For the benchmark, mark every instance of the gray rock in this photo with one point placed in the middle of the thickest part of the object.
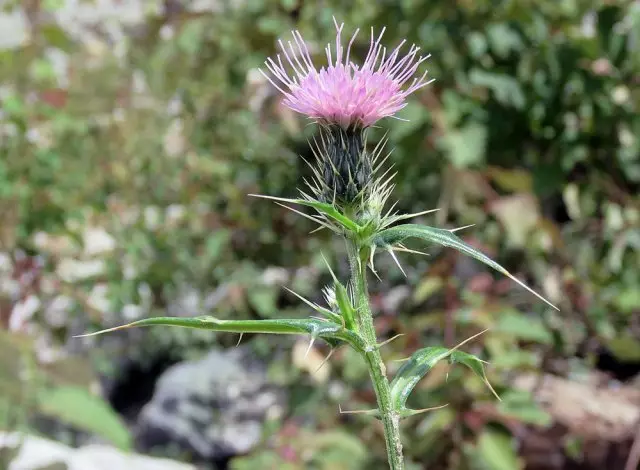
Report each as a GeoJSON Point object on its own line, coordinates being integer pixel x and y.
{"type": "Point", "coordinates": [35, 453]}
{"type": "Point", "coordinates": [214, 408]}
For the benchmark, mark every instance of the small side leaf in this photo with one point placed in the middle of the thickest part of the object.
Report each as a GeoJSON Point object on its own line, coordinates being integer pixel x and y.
{"type": "Point", "coordinates": [398, 234]}
{"type": "Point", "coordinates": [317, 328]}
{"type": "Point", "coordinates": [420, 363]}
{"type": "Point", "coordinates": [412, 371]}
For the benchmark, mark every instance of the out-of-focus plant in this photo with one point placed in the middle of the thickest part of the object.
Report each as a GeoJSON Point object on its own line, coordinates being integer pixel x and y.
{"type": "Point", "coordinates": [349, 192]}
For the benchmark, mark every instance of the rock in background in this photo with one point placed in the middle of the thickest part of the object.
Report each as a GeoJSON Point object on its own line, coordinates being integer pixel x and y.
{"type": "Point", "coordinates": [35, 453]}
{"type": "Point", "coordinates": [214, 407]}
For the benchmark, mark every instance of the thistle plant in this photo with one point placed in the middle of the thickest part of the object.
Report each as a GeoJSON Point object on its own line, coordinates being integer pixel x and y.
{"type": "Point", "coordinates": [349, 195]}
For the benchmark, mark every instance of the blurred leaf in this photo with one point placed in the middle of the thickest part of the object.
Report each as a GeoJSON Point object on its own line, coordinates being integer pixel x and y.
{"type": "Point", "coordinates": [519, 214]}
{"type": "Point", "coordinates": [427, 288]}
{"type": "Point", "coordinates": [507, 90]}
{"type": "Point", "coordinates": [522, 327]}
{"type": "Point", "coordinates": [497, 451]}
{"type": "Point", "coordinates": [216, 243]}
{"type": "Point", "coordinates": [511, 179]}
{"type": "Point", "coordinates": [76, 406]}
{"type": "Point", "coordinates": [56, 36]}
{"type": "Point", "coordinates": [263, 299]}
{"type": "Point", "coordinates": [416, 116]}
{"type": "Point", "coordinates": [625, 347]}
{"type": "Point", "coordinates": [466, 146]}
{"type": "Point", "coordinates": [522, 405]}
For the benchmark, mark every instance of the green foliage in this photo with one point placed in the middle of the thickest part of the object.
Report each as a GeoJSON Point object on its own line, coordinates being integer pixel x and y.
{"type": "Point", "coordinates": [419, 364]}
{"type": "Point", "coordinates": [77, 407]}
{"type": "Point", "coordinates": [32, 389]}
{"type": "Point", "coordinates": [497, 452]}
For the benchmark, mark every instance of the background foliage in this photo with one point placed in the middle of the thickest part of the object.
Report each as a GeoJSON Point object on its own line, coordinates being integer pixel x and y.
{"type": "Point", "coordinates": [127, 151]}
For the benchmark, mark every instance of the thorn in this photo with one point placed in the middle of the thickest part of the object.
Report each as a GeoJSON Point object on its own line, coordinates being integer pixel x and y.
{"type": "Point", "coordinates": [404, 359]}
{"type": "Point", "coordinates": [495, 394]}
{"type": "Point", "coordinates": [390, 339]}
{"type": "Point", "coordinates": [325, 360]}
{"type": "Point", "coordinates": [522, 284]}
{"type": "Point", "coordinates": [393, 255]}
{"type": "Point", "coordinates": [375, 273]}
{"type": "Point", "coordinates": [417, 214]}
{"type": "Point", "coordinates": [306, 301]}
{"type": "Point", "coordinates": [309, 347]}
{"type": "Point", "coordinates": [307, 216]}
{"type": "Point", "coordinates": [409, 250]}
{"type": "Point", "coordinates": [356, 412]}
{"type": "Point", "coordinates": [373, 252]}
{"type": "Point", "coordinates": [239, 339]}
{"type": "Point", "coordinates": [333, 275]}
{"type": "Point", "coordinates": [469, 339]}
{"type": "Point", "coordinates": [424, 410]}
{"type": "Point", "coordinates": [460, 228]}
{"type": "Point", "coordinates": [96, 333]}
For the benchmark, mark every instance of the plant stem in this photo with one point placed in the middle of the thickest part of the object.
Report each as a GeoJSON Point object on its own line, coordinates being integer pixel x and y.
{"type": "Point", "coordinates": [364, 319]}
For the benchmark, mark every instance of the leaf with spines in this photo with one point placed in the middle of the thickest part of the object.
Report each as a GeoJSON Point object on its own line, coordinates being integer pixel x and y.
{"type": "Point", "coordinates": [329, 331]}
{"type": "Point", "coordinates": [419, 364]}
{"type": "Point", "coordinates": [330, 215]}
{"type": "Point", "coordinates": [392, 236]}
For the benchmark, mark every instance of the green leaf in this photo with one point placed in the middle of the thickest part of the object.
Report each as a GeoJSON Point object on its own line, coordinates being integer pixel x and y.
{"type": "Point", "coordinates": [497, 451]}
{"type": "Point", "coordinates": [523, 327]}
{"type": "Point", "coordinates": [506, 89]}
{"type": "Point", "coordinates": [263, 299]}
{"type": "Point", "coordinates": [625, 348]}
{"type": "Point", "coordinates": [467, 145]}
{"type": "Point", "coordinates": [416, 116]}
{"type": "Point", "coordinates": [327, 330]}
{"type": "Point", "coordinates": [79, 408]}
{"type": "Point", "coordinates": [398, 234]}
{"type": "Point", "coordinates": [421, 362]}
{"type": "Point", "coordinates": [521, 404]}
{"type": "Point", "coordinates": [216, 243]}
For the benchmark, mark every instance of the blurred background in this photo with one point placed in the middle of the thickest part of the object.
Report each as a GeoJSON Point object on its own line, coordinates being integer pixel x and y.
{"type": "Point", "coordinates": [131, 133]}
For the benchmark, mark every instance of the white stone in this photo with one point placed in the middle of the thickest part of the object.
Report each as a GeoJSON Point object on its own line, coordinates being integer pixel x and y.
{"type": "Point", "coordinates": [36, 452]}
{"type": "Point", "coordinates": [97, 241]}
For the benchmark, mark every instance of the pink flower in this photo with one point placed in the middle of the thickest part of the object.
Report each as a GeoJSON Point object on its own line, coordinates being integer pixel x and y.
{"type": "Point", "coordinates": [343, 92]}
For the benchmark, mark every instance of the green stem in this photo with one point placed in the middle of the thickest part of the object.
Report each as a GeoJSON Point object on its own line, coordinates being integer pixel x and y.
{"type": "Point", "coordinates": [364, 319]}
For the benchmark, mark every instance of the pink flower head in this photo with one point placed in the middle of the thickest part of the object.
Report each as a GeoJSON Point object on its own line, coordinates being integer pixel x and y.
{"type": "Point", "coordinates": [343, 92]}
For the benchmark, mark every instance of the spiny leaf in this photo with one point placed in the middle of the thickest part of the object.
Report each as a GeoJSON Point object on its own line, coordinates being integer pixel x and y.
{"type": "Point", "coordinates": [323, 208]}
{"type": "Point", "coordinates": [398, 234]}
{"type": "Point", "coordinates": [412, 371]}
{"type": "Point", "coordinates": [317, 328]}
{"type": "Point", "coordinates": [473, 363]}
{"type": "Point", "coordinates": [422, 361]}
